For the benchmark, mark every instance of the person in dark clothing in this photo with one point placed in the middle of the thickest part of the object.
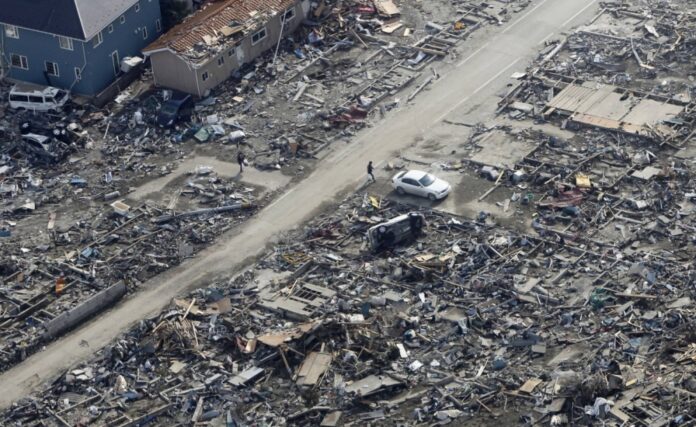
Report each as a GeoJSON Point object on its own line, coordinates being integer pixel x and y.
{"type": "Point", "coordinates": [240, 160]}
{"type": "Point", "coordinates": [369, 171]}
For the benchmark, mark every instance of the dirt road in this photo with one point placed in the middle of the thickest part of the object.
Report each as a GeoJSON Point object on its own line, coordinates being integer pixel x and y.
{"type": "Point", "coordinates": [467, 84]}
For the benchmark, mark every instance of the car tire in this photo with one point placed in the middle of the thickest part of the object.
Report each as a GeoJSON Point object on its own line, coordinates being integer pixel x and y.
{"type": "Point", "coordinates": [432, 197]}
{"type": "Point", "coordinates": [417, 221]}
{"type": "Point", "coordinates": [400, 191]}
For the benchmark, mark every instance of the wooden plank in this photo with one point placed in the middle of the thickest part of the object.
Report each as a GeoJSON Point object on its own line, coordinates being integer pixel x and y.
{"type": "Point", "coordinates": [620, 415]}
{"type": "Point", "coordinates": [432, 51]}
{"type": "Point", "coordinates": [198, 411]}
{"type": "Point", "coordinates": [313, 368]}
{"type": "Point", "coordinates": [640, 296]}
{"type": "Point", "coordinates": [386, 7]}
{"type": "Point", "coordinates": [530, 385]}
{"type": "Point", "coordinates": [152, 413]}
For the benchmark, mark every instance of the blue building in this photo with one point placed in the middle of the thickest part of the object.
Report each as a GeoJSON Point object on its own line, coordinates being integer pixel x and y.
{"type": "Point", "coordinates": [74, 44]}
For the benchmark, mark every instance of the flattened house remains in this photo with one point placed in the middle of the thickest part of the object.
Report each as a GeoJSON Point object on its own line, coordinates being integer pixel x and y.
{"type": "Point", "coordinates": [210, 45]}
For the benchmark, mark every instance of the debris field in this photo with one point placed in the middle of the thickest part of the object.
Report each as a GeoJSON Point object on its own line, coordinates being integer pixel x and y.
{"type": "Point", "coordinates": [584, 316]}
{"type": "Point", "coordinates": [82, 226]}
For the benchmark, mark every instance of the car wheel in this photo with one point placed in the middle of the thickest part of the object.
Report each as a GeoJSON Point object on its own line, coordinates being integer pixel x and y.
{"type": "Point", "coordinates": [400, 191]}
{"type": "Point", "coordinates": [417, 221]}
{"type": "Point", "coordinates": [432, 197]}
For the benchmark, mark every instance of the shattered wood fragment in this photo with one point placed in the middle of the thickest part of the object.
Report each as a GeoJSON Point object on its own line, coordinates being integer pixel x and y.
{"type": "Point", "coordinates": [313, 368]}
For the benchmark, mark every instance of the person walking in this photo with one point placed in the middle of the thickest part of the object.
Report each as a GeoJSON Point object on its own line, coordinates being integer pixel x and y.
{"type": "Point", "coordinates": [240, 160]}
{"type": "Point", "coordinates": [369, 171]}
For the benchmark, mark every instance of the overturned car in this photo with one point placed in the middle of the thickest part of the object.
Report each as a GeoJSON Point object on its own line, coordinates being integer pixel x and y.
{"type": "Point", "coordinates": [397, 230]}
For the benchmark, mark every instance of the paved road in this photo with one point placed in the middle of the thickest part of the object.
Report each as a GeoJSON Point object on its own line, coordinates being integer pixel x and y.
{"type": "Point", "coordinates": [474, 80]}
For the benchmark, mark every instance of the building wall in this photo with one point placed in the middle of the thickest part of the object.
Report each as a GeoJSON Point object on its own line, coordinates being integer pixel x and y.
{"type": "Point", "coordinates": [126, 39]}
{"type": "Point", "coordinates": [38, 48]}
{"type": "Point", "coordinates": [94, 63]}
{"type": "Point", "coordinates": [218, 73]}
{"type": "Point", "coordinates": [244, 52]}
{"type": "Point", "coordinates": [173, 72]}
{"type": "Point", "coordinates": [252, 51]}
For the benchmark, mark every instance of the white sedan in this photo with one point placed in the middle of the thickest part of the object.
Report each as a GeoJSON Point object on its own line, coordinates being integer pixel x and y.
{"type": "Point", "coordinates": [421, 184]}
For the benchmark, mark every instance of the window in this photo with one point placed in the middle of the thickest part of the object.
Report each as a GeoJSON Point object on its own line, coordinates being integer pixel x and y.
{"type": "Point", "coordinates": [111, 28]}
{"type": "Point", "coordinates": [36, 99]}
{"type": "Point", "coordinates": [78, 73]}
{"type": "Point", "coordinates": [230, 52]}
{"type": "Point", "coordinates": [98, 39]}
{"type": "Point", "coordinates": [158, 25]}
{"type": "Point", "coordinates": [52, 69]}
{"type": "Point", "coordinates": [426, 180]}
{"type": "Point", "coordinates": [221, 61]}
{"type": "Point", "coordinates": [205, 76]}
{"type": "Point", "coordinates": [137, 7]}
{"type": "Point", "coordinates": [144, 33]}
{"type": "Point", "coordinates": [19, 98]}
{"type": "Point", "coordinates": [116, 63]}
{"type": "Point", "coordinates": [122, 19]}
{"type": "Point", "coordinates": [258, 36]}
{"type": "Point", "coordinates": [19, 61]}
{"type": "Point", "coordinates": [65, 43]}
{"type": "Point", "coordinates": [11, 31]}
{"type": "Point", "coordinates": [289, 14]}
{"type": "Point", "coordinates": [59, 96]}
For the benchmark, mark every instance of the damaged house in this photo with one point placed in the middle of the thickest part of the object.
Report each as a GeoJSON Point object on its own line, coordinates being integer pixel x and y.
{"type": "Point", "coordinates": [209, 46]}
{"type": "Point", "coordinates": [76, 45]}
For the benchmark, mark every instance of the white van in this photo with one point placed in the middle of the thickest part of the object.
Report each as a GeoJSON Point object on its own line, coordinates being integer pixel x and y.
{"type": "Point", "coordinates": [37, 98]}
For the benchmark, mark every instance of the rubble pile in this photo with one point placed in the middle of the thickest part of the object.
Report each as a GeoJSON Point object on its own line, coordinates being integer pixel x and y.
{"type": "Point", "coordinates": [624, 179]}
{"type": "Point", "coordinates": [128, 245]}
{"type": "Point", "coordinates": [470, 320]}
{"type": "Point", "coordinates": [629, 70]}
{"type": "Point", "coordinates": [583, 316]}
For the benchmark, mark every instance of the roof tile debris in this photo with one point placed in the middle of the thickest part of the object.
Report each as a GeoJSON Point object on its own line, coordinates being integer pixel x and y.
{"type": "Point", "coordinates": [213, 25]}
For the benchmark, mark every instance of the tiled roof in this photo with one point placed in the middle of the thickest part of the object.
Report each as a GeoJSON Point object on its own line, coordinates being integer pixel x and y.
{"type": "Point", "coordinates": [208, 22]}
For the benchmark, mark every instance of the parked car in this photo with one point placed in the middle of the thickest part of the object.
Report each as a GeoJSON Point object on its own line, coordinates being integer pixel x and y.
{"type": "Point", "coordinates": [397, 230]}
{"type": "Point", "coordinates": [421, 184]}
{"type": "Point", "coordinates": [37, 98]}
{"type": "Point", "coordinates": [178, 108]}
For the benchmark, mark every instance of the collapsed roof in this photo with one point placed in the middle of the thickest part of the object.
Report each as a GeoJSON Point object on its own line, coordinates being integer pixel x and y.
{"type": "Point", "coordinates": [215, 27]}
